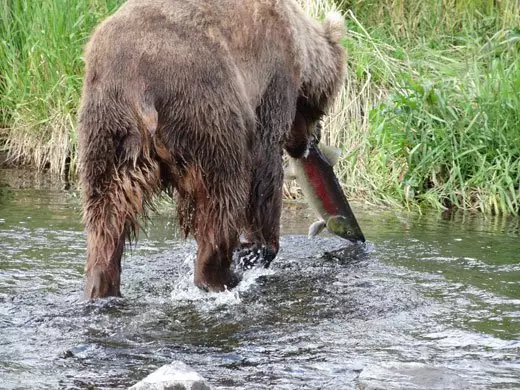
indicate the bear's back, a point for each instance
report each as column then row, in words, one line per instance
column 180, row 39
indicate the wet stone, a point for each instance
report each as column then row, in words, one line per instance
column 174, row 376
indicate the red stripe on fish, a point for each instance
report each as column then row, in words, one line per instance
column 318, row 181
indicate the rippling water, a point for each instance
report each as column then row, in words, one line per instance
column 428, row 303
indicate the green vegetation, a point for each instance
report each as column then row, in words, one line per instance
column 429, row 116
column 41, row 45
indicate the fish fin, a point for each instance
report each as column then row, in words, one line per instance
column 331, row 153
column 316, row 228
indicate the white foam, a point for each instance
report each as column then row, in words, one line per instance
column 185, row 291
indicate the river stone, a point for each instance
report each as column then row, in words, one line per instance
column 174, row 376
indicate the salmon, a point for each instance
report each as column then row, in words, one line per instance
column 315, row 175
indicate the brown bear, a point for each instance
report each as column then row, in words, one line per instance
column 198, row 97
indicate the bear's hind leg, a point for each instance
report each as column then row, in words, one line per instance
column 212, row 207
column 213, row 267
column 111, row 209
column 213, row 192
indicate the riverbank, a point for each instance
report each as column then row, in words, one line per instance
column 428, row 117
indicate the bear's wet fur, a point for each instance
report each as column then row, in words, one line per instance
column 198, row 98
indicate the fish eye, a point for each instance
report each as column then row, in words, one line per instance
column 349, row 231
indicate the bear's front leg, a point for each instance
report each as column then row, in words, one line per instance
column 262, row 232
column 213, row 268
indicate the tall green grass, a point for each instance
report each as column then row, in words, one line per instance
column 41, row 44
column 429, row 115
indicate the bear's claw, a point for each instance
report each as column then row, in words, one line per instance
column 249, row 256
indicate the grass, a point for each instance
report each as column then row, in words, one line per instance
column 430, row 113
column 40, row 76
column 429, row 116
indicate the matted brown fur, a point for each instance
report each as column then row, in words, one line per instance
column 198, row 97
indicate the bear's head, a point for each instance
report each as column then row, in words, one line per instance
column 324, row 75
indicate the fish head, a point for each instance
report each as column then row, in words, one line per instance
column 346, row 228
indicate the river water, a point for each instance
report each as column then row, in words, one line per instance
column 430, row 302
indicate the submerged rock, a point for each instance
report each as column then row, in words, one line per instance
column 174, row 376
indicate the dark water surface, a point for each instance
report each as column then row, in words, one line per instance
column 429, row 303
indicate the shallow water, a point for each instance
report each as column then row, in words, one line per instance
column 428, row 303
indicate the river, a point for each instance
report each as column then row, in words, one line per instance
column 430, row 302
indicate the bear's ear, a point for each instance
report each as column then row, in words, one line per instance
column 334, row 26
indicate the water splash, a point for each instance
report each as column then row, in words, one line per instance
column 184, row 291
